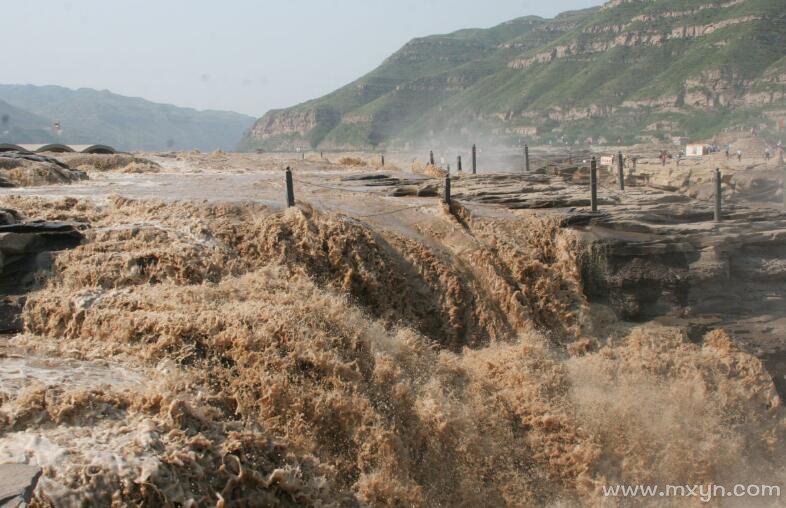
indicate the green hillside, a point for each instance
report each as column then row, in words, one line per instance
column 89, row 116
column 629, row 71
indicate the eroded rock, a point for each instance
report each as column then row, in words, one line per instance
column 25, row 253
column 17, row 483
column 26, row 170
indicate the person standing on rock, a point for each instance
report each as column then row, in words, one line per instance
column 739, row 155
column 767, row 155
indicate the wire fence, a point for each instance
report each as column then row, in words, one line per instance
column 557, row 163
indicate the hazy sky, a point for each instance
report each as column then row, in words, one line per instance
column 242, row 55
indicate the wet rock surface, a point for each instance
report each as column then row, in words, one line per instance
column 17, row 483
column 654, row 252
column 22, row 156
column 695, row 273
column 25, row 252
column 19, row 169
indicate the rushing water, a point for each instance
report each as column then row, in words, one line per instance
column 208, row 354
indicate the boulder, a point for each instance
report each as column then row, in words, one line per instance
column 25, row 170
column 23, row 156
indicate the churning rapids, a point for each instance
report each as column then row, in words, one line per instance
column 197, row 353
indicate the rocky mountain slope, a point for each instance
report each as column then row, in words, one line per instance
column 628, row 71
column 127, row 123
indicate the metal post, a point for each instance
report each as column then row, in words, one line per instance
column 594, row 185
column 474, row 159
column 458, row 163
column 784, row 185
column 718, row 196
column 447, row 190
column 783, row 168
column 431, row 157
column 526, row 158
column 620, row 170
column 290, row 189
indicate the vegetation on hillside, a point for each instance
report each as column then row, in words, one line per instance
column 633, row 72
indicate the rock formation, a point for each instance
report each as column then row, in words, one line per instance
column 687, row 69
column 655, row 254
column 17, row 482
column 25, row 170
column 25, row 249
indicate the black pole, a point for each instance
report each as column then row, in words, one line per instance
column 526, row 158
column 474, row 159
column 290, row 189
column 594, row 185
column 718, row 195
column 431, row 157
column 382, row 157
column 784, row 182
column 447, row 190
column 783, row 168
column 458, row 163
column 620, row 170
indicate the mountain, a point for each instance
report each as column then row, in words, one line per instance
column 628, row 71
column 89, row 116
column 19, row 126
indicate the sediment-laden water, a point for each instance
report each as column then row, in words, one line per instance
column 195, row 354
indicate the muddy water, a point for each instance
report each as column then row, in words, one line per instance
column 261, row 183
column 214, row 353
column 18, row 370
column 34, row 432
